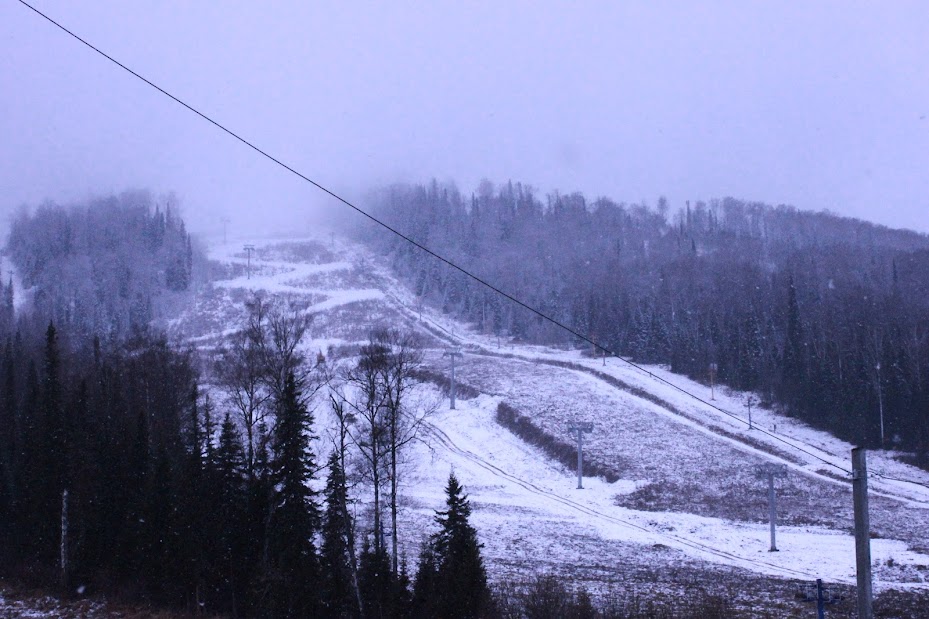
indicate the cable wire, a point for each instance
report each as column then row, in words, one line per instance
column 428, row 251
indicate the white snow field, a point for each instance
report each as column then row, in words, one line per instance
column 687, row 500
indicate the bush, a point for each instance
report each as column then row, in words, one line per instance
column 564, row 453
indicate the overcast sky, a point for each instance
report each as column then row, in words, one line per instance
column 823, row 105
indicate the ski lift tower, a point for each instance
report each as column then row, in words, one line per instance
column 248, row 264
column 580, row 429
column 769, row 471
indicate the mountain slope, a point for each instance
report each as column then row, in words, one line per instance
column 687, row 507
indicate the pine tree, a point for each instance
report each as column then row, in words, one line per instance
column 259, row 493
column 403, row 591
column 292, row 565
column 378, row 590
column 229, row 463
column 425, row 588
column 455, row 566
column 338, row 589
column 50, row 459
column 228, row 472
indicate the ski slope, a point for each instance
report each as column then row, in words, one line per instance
column 687, row 498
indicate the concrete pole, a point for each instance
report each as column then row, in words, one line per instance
column 862, row 531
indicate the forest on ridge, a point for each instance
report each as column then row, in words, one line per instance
column 824, row 317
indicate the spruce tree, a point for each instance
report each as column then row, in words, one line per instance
column 455, row 568
column 425, row 587
column 228, row 515
column 378, row 587
column 338, row 591
column 292, row 566
column 259, row 492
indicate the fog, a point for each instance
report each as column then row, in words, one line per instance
column 821, row 105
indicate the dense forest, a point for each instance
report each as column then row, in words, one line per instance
column 120, row 474
column 822, row 316
column 100, row 268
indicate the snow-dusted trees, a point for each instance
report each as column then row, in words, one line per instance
column 785, row 303
column 102, row 268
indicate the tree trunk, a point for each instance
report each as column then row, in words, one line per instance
column 352, row 560
column 377, row 503
column 65, row 566
column 393, row 504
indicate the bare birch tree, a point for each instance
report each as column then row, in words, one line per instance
column 388, row 417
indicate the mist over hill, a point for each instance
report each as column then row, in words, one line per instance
column 822, row 316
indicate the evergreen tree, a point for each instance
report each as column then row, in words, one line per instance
column 378, row 586
column 452, row 563
column 259, row 493
column 292, row 565
column 53, row 411
column 426, row 587
column 403, row 591
column 228, row 515
column 338, row 598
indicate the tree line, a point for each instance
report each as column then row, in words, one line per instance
column 823, row 317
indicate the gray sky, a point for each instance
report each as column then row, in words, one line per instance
column 823, row 105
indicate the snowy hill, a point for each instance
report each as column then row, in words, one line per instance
column 687, row 507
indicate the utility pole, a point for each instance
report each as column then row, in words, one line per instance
column 862, row 531
column 248, row 268
column 225, row 221
column 769, row 471
column 748, row 402
column 713, row 368
column 452, row 352
column 580, row 428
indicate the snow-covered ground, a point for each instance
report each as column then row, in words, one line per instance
column 687, row 494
